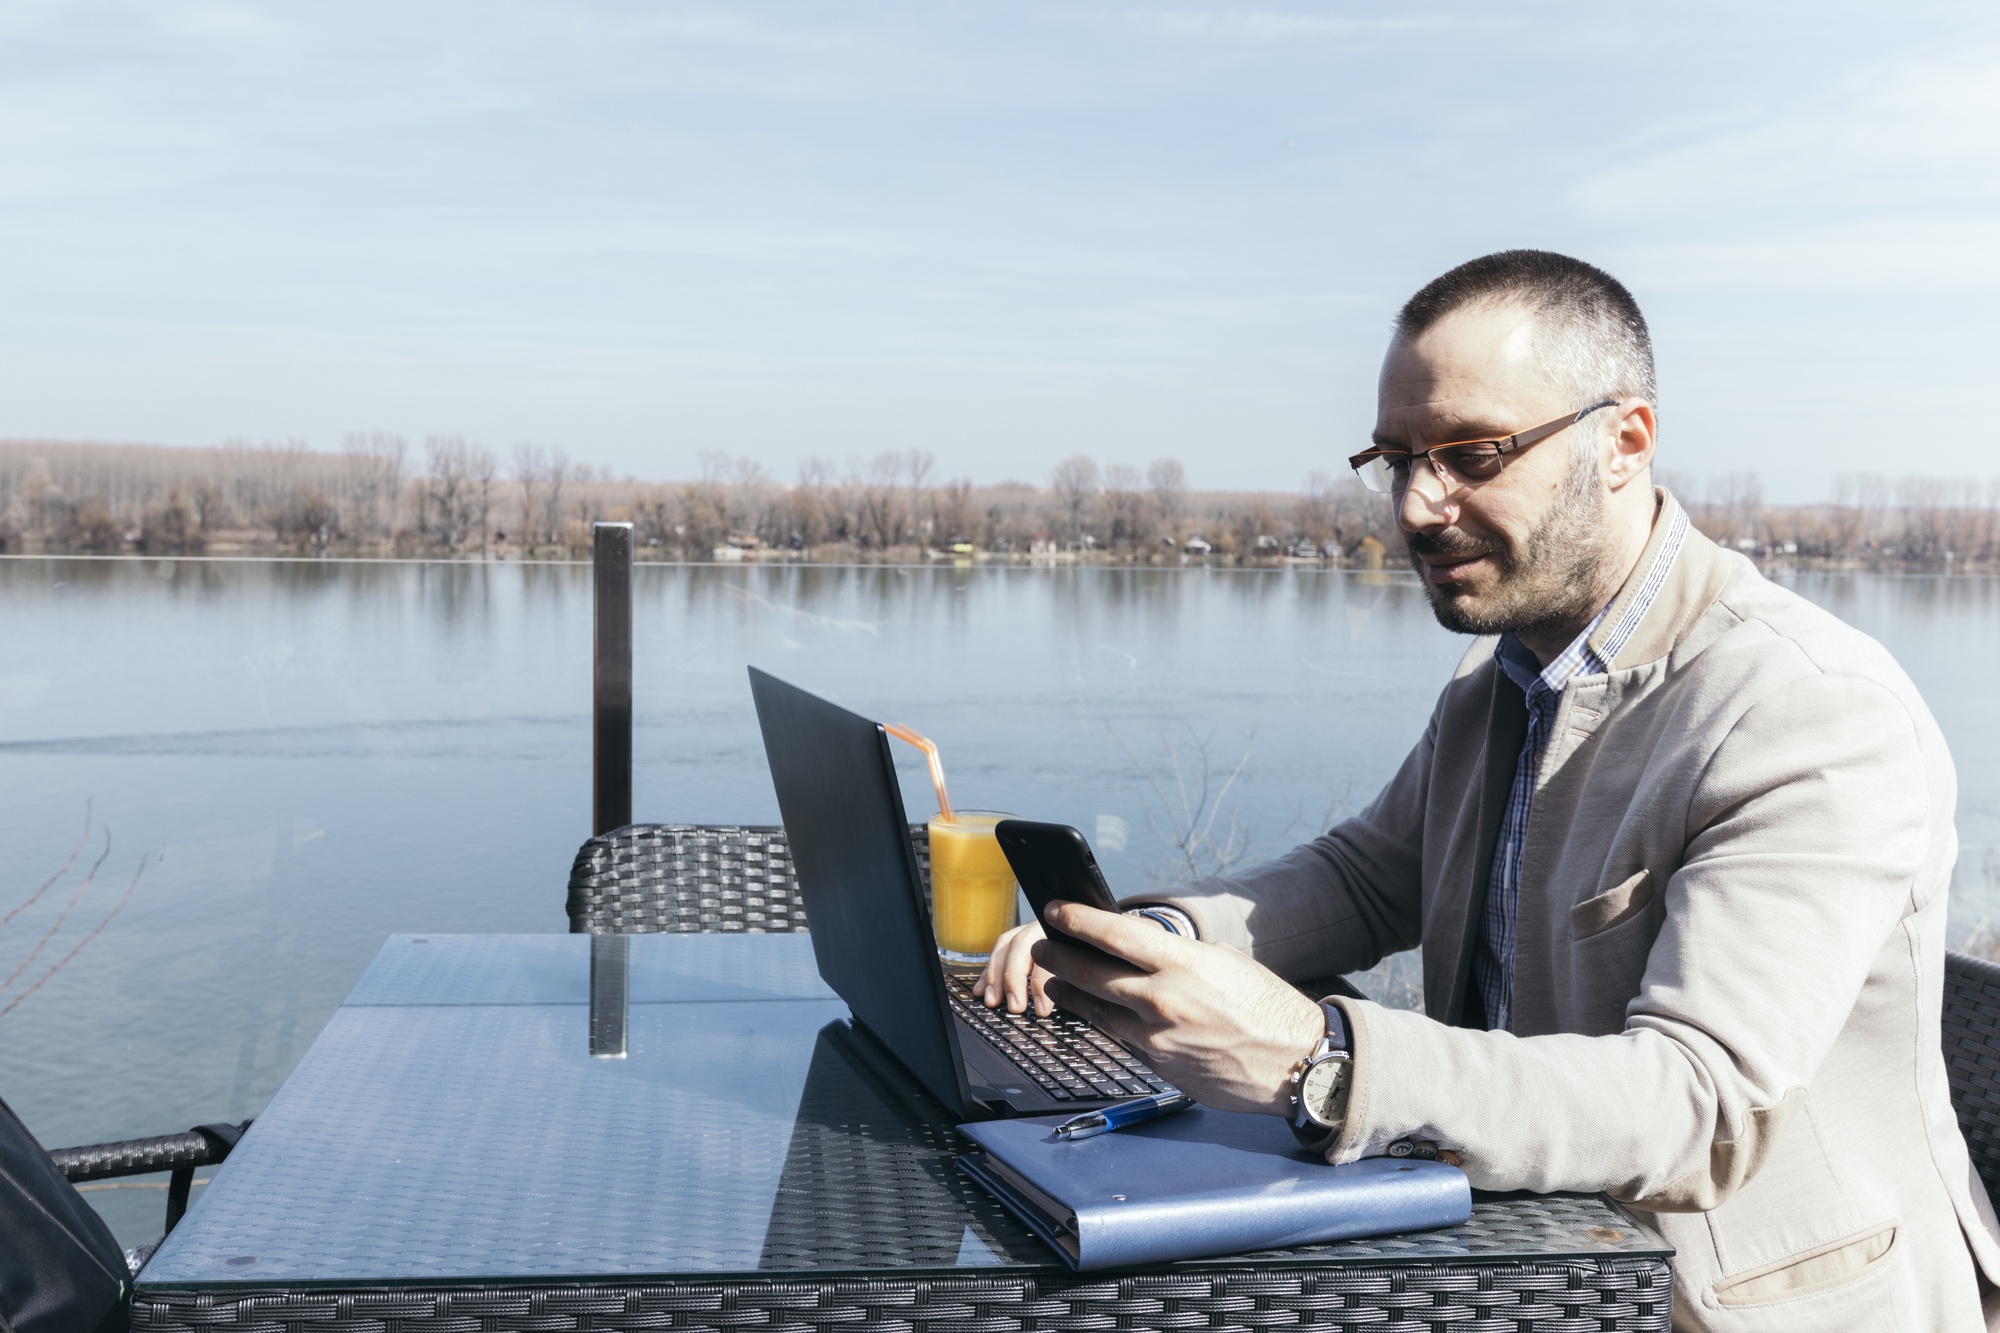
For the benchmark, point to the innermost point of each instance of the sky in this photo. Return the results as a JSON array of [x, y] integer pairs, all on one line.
[[1004, 233]]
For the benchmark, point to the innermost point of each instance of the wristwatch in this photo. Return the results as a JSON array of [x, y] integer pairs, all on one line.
[[1320, 1084]]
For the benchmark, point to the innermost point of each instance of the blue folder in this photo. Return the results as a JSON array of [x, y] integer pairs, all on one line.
[[1198, 1184]]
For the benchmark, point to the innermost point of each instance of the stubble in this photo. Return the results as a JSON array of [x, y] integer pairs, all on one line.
[[1552, 583]]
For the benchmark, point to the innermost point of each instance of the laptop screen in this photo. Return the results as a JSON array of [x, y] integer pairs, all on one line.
[[850, 842]]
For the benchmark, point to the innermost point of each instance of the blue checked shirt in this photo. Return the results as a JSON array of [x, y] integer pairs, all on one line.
[[1493, 960]]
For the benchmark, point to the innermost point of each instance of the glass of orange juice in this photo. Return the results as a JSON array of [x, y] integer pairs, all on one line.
[[972, 886]]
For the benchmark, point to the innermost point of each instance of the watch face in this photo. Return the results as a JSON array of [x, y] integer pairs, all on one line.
[[1319, 1088]]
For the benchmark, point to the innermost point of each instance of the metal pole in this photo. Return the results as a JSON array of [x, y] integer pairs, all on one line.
[[611, 673], [610, 995]]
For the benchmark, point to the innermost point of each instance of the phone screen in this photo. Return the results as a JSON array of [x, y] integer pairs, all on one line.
[[1053, 861]]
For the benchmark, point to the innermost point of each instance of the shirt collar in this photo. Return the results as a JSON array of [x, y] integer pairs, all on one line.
[[1526, 671]]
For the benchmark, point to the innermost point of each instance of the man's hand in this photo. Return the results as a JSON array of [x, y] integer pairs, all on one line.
[[1221, 1027], [1011, 977]]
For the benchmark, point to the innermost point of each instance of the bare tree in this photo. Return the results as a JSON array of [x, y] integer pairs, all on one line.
[[1190, 809], [883, 513], [1846, 520], [1074, 481], [1935, 525], [481, 467], [704, 519], [1313, 515], [375, 462], [445, 490], [813, 505], [1168, 480], [1124, 507], [953, 513], [1732, 511], [556, 473], [530, 461], [918, 464]]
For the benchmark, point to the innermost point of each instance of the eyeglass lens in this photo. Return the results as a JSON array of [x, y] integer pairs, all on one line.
[[1385, 473]]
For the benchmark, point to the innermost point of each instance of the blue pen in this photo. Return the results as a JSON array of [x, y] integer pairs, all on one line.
[[1135, 1112]]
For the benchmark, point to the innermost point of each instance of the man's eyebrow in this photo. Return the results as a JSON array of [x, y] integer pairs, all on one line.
[[1464, 430]]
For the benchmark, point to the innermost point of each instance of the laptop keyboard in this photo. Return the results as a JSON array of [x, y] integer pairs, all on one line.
[[1069, 1059]]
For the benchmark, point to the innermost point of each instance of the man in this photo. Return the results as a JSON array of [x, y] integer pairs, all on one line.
[[1676, 844]]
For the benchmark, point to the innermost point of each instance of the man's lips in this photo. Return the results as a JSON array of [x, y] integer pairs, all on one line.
[[1446, 564]]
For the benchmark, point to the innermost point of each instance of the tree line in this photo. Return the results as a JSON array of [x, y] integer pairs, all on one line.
[[449, 496], [1872, 519], [379, 494]]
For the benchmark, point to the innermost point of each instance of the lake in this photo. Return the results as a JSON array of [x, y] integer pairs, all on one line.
[[309, 756]]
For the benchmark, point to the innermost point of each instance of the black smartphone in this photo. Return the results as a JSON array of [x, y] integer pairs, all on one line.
[[1053, 861]]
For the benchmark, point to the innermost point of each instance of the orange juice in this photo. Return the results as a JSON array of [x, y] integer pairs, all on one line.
[[972, 886]]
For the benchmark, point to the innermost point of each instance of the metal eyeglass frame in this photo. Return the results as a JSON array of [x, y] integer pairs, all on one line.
[[1378, 467]]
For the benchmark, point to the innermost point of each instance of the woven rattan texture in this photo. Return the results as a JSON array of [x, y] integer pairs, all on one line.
[[648, 878], [1545, 1297], [133, 1157], [869, 1180], [1971, 1024]]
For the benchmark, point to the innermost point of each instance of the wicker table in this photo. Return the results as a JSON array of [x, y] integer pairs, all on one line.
[[449, 1156]]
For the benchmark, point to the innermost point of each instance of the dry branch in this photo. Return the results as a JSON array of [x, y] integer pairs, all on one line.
[[68, 907], [95, 931], [34, 897]]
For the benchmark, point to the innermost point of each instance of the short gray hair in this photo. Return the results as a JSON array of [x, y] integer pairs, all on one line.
[[1596, 343]]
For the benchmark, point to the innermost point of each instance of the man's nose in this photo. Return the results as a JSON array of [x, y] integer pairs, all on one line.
[[1425, 503]]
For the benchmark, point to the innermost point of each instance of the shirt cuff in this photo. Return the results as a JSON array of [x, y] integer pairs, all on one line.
[[1170, 919]]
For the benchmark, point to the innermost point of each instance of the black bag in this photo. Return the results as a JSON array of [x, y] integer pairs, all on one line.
[[61, 1271]]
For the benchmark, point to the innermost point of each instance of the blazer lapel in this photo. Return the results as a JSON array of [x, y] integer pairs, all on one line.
[[1461, 901]]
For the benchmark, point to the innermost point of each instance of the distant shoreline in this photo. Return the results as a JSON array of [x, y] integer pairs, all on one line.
[[372, 501], [1768, 564]]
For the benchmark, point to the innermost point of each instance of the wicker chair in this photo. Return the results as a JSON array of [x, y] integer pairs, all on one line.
[[647, 878], [181, 1154], [1972, 1058]]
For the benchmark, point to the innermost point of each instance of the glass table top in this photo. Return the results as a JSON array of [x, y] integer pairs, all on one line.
[[450, 1124]]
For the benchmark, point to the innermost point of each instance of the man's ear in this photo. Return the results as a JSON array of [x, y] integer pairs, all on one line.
[[1632, 439]]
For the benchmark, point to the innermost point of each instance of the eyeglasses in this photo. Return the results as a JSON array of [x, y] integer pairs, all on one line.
[[1386, 470]]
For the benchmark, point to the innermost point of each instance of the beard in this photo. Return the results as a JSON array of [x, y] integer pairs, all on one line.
[[1552, 581]]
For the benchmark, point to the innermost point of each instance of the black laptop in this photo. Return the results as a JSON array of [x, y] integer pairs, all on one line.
[[871, 930]]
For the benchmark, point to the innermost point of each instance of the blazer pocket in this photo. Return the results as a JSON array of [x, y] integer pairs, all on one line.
[[1834, 1264], [1594, 916]]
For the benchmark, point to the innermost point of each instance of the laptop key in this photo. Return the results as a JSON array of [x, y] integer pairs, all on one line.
[[1062, 1054]]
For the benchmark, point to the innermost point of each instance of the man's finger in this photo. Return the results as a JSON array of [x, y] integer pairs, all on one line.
[[1007, 978], [1024, 986], [1120, 1022], [1084, 969], [1141, 943], [1038, 987]]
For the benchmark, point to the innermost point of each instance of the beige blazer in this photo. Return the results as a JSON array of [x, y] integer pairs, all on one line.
[[1729, 964]]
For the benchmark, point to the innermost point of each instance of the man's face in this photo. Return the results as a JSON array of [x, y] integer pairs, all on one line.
[[1525, 550]]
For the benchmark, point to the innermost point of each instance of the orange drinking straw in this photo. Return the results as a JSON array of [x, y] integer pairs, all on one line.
[[937, 764]]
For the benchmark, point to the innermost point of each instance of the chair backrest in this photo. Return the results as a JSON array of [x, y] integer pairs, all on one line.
[[1972, 1058], [648, 879]]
